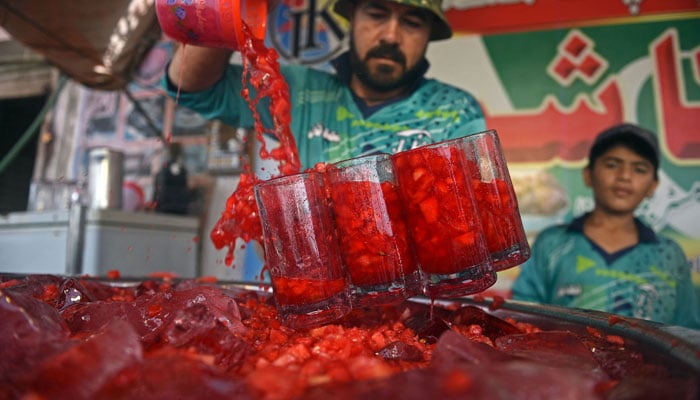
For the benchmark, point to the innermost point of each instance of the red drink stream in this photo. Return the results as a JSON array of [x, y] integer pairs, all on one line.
[[261, 71]]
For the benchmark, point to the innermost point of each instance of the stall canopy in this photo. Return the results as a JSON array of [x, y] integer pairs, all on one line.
[[97, 43]]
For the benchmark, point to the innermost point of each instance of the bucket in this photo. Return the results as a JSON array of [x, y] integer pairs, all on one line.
[[212, 23], [105, 178]]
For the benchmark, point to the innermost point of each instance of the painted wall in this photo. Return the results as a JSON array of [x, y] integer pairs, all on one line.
[[553, 73]]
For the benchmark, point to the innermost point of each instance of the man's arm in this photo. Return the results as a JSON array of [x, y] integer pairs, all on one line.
[[199, 68]]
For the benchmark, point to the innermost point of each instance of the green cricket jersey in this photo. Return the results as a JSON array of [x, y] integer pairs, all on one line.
[[650, 280], [329, 126]]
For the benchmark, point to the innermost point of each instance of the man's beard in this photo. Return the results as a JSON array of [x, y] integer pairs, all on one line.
[[381, 80]]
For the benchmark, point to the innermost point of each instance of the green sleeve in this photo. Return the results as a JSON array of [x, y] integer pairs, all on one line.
[[532, 284], [687, 312], [222, 101]]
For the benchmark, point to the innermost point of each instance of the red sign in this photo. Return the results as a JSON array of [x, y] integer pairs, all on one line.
[[498, 16]]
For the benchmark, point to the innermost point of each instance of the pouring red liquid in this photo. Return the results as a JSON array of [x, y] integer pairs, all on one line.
[[260, 70], [239, 25]]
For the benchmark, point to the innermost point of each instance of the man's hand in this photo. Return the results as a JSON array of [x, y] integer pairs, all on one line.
[[198, 68]]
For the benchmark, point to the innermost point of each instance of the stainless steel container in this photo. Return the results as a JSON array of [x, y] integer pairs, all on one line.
[[105, 167]]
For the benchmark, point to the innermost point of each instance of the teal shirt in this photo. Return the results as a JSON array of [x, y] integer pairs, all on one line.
[[650, 280], [328, 125]]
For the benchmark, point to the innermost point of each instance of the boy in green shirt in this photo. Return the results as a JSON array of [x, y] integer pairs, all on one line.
[[607, 259]]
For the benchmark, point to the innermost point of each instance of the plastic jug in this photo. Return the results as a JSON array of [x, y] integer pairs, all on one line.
[[212, 23]]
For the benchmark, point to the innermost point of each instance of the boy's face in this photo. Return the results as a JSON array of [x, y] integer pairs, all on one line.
[[620, 179]]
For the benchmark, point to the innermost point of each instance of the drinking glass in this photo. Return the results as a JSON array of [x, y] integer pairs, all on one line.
[[310, 284], [373, 237], [496, 201], [443, 220]]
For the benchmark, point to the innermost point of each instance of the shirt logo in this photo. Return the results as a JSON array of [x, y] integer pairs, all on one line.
[[412, 138], [321, 131], [583, 264], [573, 290], [645, 300]]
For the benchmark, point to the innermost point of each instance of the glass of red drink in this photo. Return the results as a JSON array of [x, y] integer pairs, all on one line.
[[496, 201], [442, 219], [309, 282], [373, 237]]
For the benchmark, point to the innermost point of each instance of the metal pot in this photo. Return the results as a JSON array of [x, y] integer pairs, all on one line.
[[105, 177]]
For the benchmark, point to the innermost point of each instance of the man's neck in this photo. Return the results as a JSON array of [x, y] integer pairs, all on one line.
[[373, 97]]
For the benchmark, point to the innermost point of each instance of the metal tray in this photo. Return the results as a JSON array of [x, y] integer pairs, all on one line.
[[673, 346]]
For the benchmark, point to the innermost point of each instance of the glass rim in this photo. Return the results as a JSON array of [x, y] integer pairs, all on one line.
[[488, 132], [351, 162], [283, 179]]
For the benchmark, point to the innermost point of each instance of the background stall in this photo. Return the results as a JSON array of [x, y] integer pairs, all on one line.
[[549, 74]]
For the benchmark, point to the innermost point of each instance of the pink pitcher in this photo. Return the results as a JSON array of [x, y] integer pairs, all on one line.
[[212, 23]]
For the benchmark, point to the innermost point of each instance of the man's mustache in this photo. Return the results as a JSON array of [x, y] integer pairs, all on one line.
[[387, 51]]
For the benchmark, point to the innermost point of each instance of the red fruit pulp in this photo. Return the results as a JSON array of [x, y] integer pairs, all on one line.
[[373, 236], [302, 291], [440, 211], [499, 215]]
